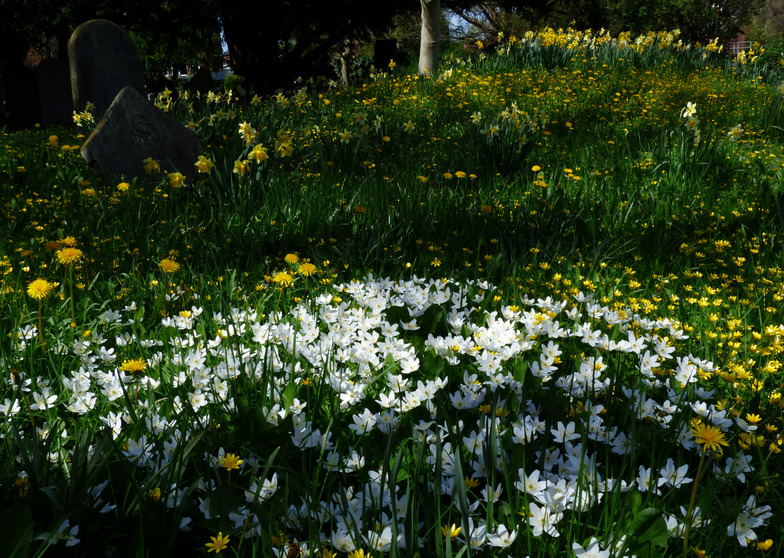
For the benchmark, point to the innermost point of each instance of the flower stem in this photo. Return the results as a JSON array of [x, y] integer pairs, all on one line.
[[692, 500], [71, 288], [40, 323]]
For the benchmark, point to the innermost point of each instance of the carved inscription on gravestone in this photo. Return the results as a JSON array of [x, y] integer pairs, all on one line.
[[133, 130]]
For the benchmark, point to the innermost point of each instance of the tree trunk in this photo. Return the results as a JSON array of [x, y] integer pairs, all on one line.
[[431, 36], [344, 73]]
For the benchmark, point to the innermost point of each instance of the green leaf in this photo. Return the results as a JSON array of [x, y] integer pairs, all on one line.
[[648, 533], [287, 397]]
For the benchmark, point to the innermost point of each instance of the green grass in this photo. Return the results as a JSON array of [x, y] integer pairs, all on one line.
[[531, 267]]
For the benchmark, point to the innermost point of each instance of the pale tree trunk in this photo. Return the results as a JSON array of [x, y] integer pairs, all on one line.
[[344, 57], [431, 36]]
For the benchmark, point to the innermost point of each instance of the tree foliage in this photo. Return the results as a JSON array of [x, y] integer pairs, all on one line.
[[768, 22], [173, 29], [698, 20], [272, 43]]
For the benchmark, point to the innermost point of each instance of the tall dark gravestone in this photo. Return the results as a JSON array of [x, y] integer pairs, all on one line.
[[103, 60]]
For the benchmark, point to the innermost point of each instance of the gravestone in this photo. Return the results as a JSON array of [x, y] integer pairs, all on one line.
[[133, 130], [103, 60], [54, 91]]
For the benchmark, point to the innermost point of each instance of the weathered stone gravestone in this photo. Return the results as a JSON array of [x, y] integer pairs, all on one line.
[[103, 60], [133, 130], [54, 91]]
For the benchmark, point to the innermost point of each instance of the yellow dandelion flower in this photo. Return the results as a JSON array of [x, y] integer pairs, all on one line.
[[133, 365], [168, 266], [39, 289], [68, 241], [283, 279], [709, 437], [291, 258], [69, 255], [307, 269]]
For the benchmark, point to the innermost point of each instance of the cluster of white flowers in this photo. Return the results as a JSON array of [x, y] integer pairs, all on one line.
[[469, 378]]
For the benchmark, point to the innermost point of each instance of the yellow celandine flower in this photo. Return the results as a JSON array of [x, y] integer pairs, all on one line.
[[358, 553], [470, 482], [133, 365], [204, 165], [70, 255], [176, 179], [451, 531], [230, 462], [765, 545], [259, 153], [168, 266], [155, 494], [753, 418], [39, 289], [709, 437], [217, 544]]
